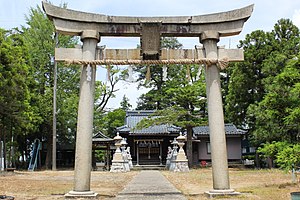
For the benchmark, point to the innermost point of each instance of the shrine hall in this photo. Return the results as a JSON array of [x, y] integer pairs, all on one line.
[[149, 146]]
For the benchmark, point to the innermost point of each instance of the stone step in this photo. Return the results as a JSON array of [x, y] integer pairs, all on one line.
[[149, 167]]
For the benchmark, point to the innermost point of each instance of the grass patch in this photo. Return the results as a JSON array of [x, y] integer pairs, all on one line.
[[253, 184], [52, 185]]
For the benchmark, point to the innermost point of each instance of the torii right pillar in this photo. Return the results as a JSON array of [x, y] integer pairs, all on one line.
[[220, 173]]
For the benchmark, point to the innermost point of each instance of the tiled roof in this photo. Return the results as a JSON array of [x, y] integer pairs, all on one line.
[[134, 117], [230, 129], [100, 137]]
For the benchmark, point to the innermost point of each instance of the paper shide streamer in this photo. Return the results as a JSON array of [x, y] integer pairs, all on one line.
[[130, 73], [88, 73]]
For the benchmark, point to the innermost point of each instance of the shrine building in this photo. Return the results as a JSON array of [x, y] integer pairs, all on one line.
[[149, 146]]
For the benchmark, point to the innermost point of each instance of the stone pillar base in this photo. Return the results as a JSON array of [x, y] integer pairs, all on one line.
[[181, 166], [228, 192], [118, 167], [81, 195]]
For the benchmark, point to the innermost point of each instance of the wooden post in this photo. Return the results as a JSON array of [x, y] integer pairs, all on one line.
[[160, 152], [54, 109], [137, 154]]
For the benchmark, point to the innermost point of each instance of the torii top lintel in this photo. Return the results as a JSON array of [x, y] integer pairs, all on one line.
[[72, 22]]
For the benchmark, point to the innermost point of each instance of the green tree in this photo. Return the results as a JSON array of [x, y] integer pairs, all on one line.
[[16, 114], [39, 35], [275, 116], [245, 86], [154, 99], [259, 94], [104, 119], [270, 150], [108, 122], [289, 157], [125, 105], [180, 100], [285, 155]]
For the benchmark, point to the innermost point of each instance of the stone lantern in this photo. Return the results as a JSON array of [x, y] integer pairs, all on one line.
[[118, 161], [124, 154], [173, 155], [123, 144], [181, 162]]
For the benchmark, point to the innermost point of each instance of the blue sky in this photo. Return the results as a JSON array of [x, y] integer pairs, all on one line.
[[266, 14]]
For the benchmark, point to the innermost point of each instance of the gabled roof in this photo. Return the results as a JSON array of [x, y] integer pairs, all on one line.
[[134, 117], [100, 137], [230, 129]]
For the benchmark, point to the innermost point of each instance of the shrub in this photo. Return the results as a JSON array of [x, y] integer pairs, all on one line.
[[289, 157]]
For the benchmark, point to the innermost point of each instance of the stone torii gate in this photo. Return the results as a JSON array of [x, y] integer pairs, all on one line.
[[91, 27]]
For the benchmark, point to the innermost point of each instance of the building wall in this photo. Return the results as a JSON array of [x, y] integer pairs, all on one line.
[[233, 143]]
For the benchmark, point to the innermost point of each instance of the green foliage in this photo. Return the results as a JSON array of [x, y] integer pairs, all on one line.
[[263, 90], [172, 115], [155, 98], [275, 114], [245, 86], [125, 105], [18, 116], [271, 149], [100, 155], [171, 43], [39, 35], [15, 81], [289, 157], [107, 123], [285, 155], [179, 100]]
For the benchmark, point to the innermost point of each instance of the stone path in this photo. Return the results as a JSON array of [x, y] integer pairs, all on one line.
[[148, 185]]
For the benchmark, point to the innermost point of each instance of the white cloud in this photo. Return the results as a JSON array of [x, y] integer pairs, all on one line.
[[296, 18]]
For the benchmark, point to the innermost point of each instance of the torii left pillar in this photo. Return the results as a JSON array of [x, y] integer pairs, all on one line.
[[83, 153]]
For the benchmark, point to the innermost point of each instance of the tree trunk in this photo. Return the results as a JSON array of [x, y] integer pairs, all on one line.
[[189, 145], [4, 149], [48, 162], [12, 148], [257, 159]]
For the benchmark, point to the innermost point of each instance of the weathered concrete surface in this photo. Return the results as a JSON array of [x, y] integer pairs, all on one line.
[[148, 185], [72, 22], [233, 55], [215, 115], [83, 153]]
